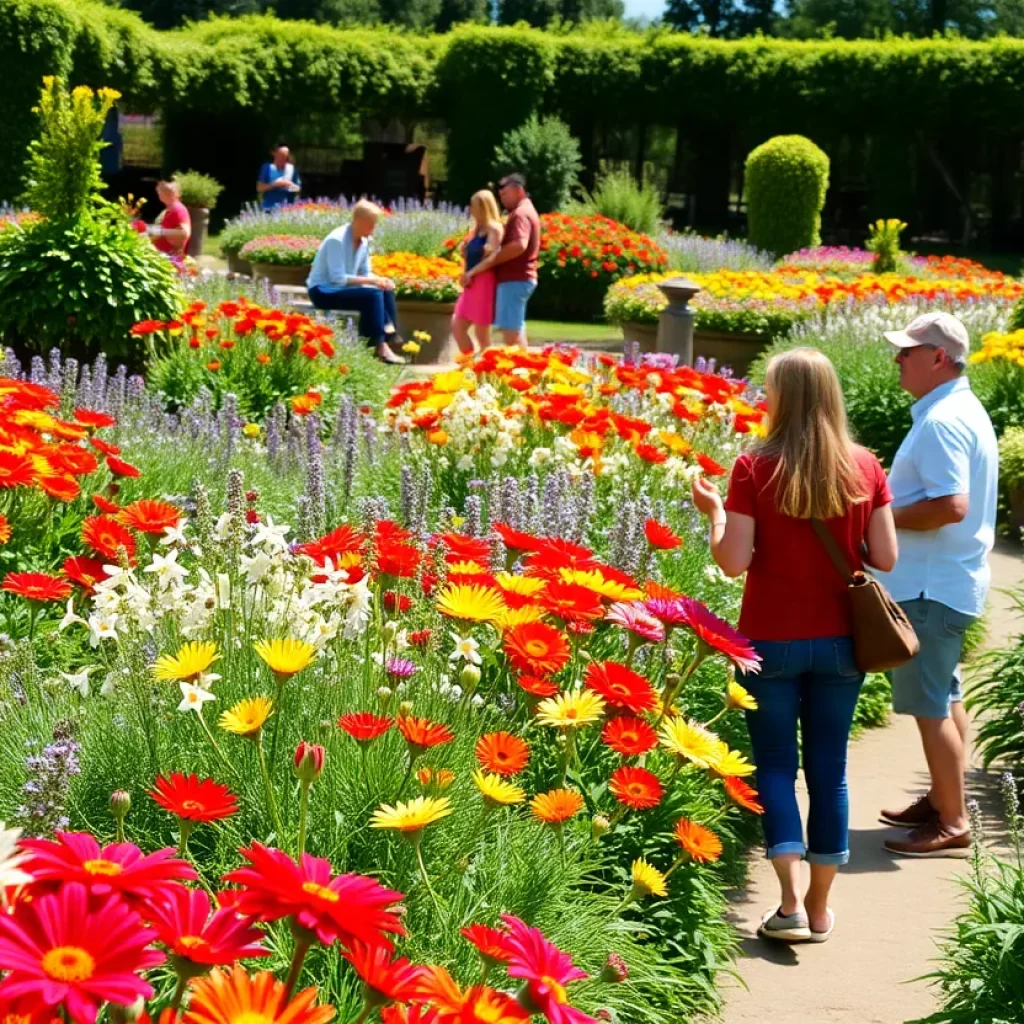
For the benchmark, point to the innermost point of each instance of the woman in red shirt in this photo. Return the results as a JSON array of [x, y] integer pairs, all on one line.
[[796, 611], [173, 227]]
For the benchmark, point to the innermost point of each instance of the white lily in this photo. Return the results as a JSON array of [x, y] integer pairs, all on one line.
[[270, 535], [466, 649], [175, 534], [193, 697], [70, 618]]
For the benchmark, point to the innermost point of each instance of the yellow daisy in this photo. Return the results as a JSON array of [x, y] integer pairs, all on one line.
[[594, 579], [286, 657], [689, 740], [647, 879], [527, 586], [247, 717], [521, 616], [471, 603], [497, 791], [411, 818], [739, 698], [191, 661], [571, 708], [730, 764]]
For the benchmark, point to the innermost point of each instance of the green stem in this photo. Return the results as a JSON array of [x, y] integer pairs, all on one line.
[[301, 949], [408, 776], [426, 877], [271, 799], [630, 896], [681, 859], [364, 1014], [278, 709], [303, 812], [220, 753], [179, 994], [119, 830], [186, 831]]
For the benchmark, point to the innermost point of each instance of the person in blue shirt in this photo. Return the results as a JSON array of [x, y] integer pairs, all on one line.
[[944, 481], [342, 278], [278, 182]]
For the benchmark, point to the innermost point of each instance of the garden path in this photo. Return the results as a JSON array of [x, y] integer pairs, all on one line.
[[888, 909]]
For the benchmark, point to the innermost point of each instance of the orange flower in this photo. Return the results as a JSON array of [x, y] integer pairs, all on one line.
[[502, 753], [5, 529], [149, 516], [105, 535], [629, 736], [36, 586], [621, 686], [661, 536], [535, 686], [263, 358], [422, 734], [536, 649], [223, 998], [698, 842], [556, 806], [742, 795], [636, 788]]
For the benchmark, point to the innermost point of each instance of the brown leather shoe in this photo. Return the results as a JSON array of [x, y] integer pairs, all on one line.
[[932, 840], [919, 813]]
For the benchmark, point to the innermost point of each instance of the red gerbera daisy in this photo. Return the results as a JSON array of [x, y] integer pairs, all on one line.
[[184, 924], [636, 788], [629, 736], [105, 535], [105, 504], [121, 468], [63, 488], [465, 549], [490, 942], [516, 540], [104, 446], [69, 952], [709, 466], [398, 560], [661, 536], [742, 795], [36, 586], [364, 726], [16, 470], [119, 868], [715, 634], [94, 419], [193, 799], [5, 529], [422, 734], [650, 452], [536, 648], [342, 907], [502, 753], [149, 516], [535, 686], [571, 601], [389, 981], [621, 686], [86, 572]]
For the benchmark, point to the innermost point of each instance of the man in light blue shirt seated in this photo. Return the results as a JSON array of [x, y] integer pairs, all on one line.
[[278, 181], [342, 278], [944, 481]]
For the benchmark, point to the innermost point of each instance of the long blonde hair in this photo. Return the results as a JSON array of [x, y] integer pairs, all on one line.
[[485, 198], [816, 475]]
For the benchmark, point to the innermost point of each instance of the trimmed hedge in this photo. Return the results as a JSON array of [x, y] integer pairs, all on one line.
[[484, 81]]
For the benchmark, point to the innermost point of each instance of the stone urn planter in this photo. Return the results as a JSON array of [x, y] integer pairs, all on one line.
[[274, 273], [727, 348], [236, 265], [435, 318], [645, 335], [199, 216]]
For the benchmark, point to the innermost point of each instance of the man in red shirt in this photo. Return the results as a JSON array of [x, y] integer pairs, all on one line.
[[173, 227], [515, 263]]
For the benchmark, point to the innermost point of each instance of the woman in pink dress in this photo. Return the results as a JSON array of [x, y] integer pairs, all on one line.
[[475, 306]]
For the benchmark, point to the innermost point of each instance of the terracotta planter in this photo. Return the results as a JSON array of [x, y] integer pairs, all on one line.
[[200, 219], [236, 265], [645, 335], [1016, 497], [276, 274], [436, 319], [736, 351]]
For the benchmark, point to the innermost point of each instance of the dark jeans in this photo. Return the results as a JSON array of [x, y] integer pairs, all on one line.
[[375, 306], [814, 683]]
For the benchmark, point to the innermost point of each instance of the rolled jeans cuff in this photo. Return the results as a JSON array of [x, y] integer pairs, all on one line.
[[781, 849], [829, 858]]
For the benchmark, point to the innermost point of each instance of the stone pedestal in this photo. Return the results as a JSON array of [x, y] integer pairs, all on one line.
[[675, 328], [435, 318]]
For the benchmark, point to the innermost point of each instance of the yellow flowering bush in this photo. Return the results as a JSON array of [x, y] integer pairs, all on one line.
[[1008, 347], [428, 278]]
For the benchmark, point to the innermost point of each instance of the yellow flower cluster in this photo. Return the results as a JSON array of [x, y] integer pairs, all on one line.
[[1007, 347]]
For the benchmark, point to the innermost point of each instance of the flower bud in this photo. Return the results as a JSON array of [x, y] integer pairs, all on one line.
[[390, 631], [462, 864], [120, 804], [384, 692], [599, 825], [614, 970], [405, 708], [309, 762], [443, 778], [424, 775], [469, 678]]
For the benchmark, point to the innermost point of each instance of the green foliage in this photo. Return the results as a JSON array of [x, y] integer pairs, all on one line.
[[79, 285], [874, 703], [618, 195], [545, 151], [722, 18], [884, 242], [786, 182], [999, 385], [1011, 457], [198, 189]]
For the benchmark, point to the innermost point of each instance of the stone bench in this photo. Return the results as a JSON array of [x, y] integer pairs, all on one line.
[[296, 296]]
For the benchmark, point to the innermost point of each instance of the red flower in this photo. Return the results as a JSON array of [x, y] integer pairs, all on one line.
[[629, 736], [650, 453], [397, 602], [389, 981], [121, 468], [516, 540], [106, 448], [422, 734], [193, 799], [490, 942], [184, 924], [535, 648], [636, 788], [105, 504], [16, 470], [621, 686], [105, 535], [571, 601], [347, 908], [91, 418], [660, 536], [364, 726], [36, 586], [502, 753], [149, 516], [546, 971], [715, 634], [742, 795], [62, 488], [420, 638], [86, 572], [535, 686], [118, 868], [399, 560], [69, 952], [709, 466]]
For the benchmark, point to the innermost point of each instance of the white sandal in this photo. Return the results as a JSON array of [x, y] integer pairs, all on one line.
[[826, 935], [793, 928]]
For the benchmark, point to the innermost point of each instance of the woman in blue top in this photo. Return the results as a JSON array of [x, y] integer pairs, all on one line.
[[341, 278]]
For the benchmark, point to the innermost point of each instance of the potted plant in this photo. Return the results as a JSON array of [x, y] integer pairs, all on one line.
[[199, 194], [1011, 472], [281, 259]]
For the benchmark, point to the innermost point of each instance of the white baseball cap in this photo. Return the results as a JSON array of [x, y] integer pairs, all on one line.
[[940, 330]]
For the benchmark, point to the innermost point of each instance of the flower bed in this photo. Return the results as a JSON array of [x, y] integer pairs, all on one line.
[[423, 278], [280, 250]]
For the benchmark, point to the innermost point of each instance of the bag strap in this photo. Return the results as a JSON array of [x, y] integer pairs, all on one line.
[[828, 542]]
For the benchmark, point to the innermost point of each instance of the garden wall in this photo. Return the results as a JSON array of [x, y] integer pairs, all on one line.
[[919, 120]]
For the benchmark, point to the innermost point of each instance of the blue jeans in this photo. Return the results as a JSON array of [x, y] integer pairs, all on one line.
[[814, 683], [375, 306]]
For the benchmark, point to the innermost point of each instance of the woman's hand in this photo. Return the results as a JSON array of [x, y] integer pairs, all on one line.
[[385, 284], [706, 498]]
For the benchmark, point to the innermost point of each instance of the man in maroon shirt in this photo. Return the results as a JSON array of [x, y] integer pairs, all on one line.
[[515, 263]]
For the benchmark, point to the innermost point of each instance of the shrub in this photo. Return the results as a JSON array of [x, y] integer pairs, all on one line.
[[618, 195], [786, 181], [1011, 457], [315, 219], [998, 377], [549, 156], [884, 242], [874, 703], [280, 250], [198, 190]]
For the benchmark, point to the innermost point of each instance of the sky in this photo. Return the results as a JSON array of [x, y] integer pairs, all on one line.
[[644, 8]]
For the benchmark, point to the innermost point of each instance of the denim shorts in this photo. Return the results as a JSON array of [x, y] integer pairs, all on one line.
[[930, 682], [510, 304]]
